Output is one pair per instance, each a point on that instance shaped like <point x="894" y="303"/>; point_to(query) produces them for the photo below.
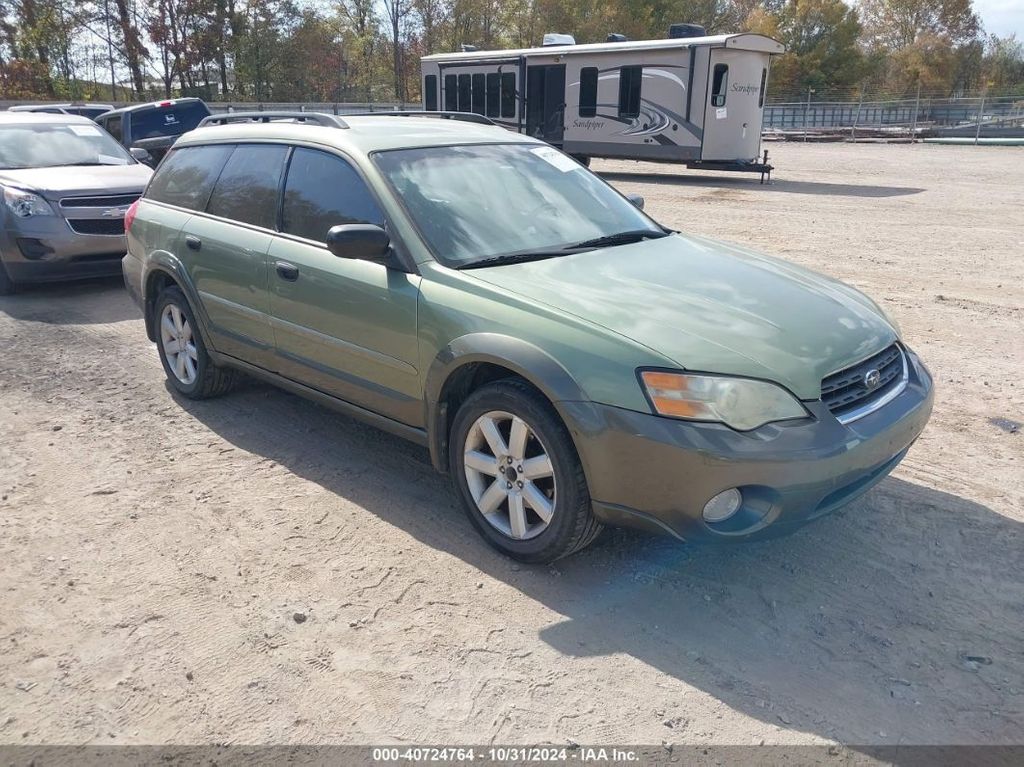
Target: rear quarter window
<point x="186" y="176"/>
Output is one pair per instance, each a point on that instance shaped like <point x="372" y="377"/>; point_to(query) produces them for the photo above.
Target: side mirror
<point x="636" y="200"/>
<point x="141" y="155"/>
<point x="367" y="242"/>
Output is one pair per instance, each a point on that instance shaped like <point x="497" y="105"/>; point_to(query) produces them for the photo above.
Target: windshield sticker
<point x="84" y="130"/>
<point x="551" y="155"/>
<point x="170" y="118"/>
<point x="107" y="159"/>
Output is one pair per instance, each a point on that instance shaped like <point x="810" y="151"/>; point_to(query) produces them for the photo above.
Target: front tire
<point x="518" y="476"/>
<point x="182" y="352"/>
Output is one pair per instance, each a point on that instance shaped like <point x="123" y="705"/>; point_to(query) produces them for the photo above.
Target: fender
<point x="168" y="263"/>
<point x="521" y="357"/>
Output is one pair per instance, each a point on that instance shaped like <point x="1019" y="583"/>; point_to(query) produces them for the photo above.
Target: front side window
<point x="323" y="191"/>
<point x="588" y="91"/>
<point x="186" y="176"/>
<point x="430" y="92"/>
<point x="247" y="188"/>
<point x="477" y="201"/>
<point x="47" y="145"/>
<point x="451" y="94"/>
<point x="629" y="91"/>
<point x="764" y="82"/>
<point x="719" y="83"/>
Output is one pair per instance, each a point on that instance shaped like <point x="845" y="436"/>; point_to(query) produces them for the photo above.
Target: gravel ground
<point x="256" y="569"/>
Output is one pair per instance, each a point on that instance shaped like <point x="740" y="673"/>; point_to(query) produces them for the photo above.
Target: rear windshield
<point x="167" y="121"/>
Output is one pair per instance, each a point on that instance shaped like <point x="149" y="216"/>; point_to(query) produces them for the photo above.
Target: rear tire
<point x="182" y="352"/>
<point x="518" y="476"/>
<point x="7" y="286"/>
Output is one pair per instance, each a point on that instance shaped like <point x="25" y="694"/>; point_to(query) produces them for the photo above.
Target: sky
<point x="1001" y="17"/>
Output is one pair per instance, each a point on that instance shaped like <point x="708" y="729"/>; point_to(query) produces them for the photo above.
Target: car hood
<point x="711" y="307"/>
<point x="55" y="183"/>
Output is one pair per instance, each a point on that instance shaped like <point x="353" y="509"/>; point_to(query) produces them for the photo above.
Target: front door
<point x="735" y="105"/>
<point x="545" y="102"/>
<point x="343" y="326"/>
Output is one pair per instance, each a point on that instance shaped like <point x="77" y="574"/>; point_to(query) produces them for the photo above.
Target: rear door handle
<point x="287" y="271"/>
<point x="193" y="242"/>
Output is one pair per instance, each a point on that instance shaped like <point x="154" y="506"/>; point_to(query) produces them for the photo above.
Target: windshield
<point x="482" y="201"/>
<point x="47" y="145"/>
<point x="167" y="121"/>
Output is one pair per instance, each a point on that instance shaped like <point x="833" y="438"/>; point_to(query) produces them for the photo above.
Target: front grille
<point x="113" y="201"/>
<point x="847" y="390"/>
<point x="97" y="225"/>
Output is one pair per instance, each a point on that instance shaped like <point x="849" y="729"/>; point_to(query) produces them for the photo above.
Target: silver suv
<point x="66" y="185"/>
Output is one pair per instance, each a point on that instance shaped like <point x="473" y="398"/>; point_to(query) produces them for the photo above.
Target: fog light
<point x="723" y="505"/>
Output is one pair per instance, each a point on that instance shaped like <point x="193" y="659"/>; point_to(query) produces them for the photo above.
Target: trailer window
<point x="451" y="94"/>
<point x="508" y="94"/>
<point x="764" y="82"/>
<point x="430" y="92"/>
<point x="719" y="82"/>
<point x="465" y="94"/>
<point x="493" y="94"/>
<point x="588" y="91"/>
<point x="478" y="93"/>
<point x="629" y="91"/>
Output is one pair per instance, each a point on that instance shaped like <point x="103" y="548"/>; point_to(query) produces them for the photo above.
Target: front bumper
<point x="45" y="249"/>
<point x="657" y="473"/>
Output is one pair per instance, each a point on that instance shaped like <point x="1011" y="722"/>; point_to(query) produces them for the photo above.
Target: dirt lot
<point x="154" y="553"/>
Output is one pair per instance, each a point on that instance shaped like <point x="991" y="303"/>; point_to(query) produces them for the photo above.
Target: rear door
<point x="225" y="250"/>
<point x="735" y="105"/>
<point x="545" y="102"/>
<point x="343" y="326"/>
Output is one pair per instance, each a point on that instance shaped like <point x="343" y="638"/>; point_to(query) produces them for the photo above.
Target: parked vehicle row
<point x="567" y="360"/>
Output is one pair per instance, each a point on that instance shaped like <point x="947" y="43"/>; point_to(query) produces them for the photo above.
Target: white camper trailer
<point x="692" y="100"/>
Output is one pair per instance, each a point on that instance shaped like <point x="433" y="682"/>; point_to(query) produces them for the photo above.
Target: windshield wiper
<point x="620" y="238"/>
<point x="521" y="257"/>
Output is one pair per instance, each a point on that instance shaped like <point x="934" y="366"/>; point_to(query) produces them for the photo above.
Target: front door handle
<point x="287" y="271"/>
<point x="193" y="242"/>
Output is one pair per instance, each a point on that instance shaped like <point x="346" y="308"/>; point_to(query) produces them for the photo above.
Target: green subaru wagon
<point x="567" y="360"/>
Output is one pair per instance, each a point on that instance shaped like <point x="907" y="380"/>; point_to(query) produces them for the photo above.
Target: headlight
<point x="741" y="403"/>
<point x="26" y="204"/>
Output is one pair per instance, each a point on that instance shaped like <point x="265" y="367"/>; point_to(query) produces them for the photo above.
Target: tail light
<point x="129" y="215"/>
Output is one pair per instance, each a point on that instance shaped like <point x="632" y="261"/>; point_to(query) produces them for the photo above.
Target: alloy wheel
<point x="178" y="344"/>
<point x="510" y="475"/>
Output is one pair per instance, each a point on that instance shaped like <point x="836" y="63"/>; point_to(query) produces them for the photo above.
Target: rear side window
<point x="247" y="188"/>
<point x="113" y="126"/>
<point x="451" y="94"/>
<point x="186" y="176"/>
<point x="508" y="94"/>
<point x="719" y="83"/>
<point x="323" y="191"/>
<point x="629" y="91"/>
<point x="430" y="92"/>
<point x="588" y="91"/>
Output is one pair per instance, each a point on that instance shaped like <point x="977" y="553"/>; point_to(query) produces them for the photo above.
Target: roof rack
<point x="469" y="117"/>
<point x="316" y="118"/>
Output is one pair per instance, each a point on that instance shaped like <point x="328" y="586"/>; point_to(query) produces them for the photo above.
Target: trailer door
<point x="735" y="105"/>
<point x="545" y="102"/>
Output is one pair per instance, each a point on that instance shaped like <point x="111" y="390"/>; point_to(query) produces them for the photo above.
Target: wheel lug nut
<point x="509" y="459"/>
<point x="520" y="485"/>
<point x="519" y="469"/>
<point x="508" y="485"/>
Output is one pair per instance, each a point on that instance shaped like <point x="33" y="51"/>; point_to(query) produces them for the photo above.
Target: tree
<point x="821" y="39"/>
<point x="897" y="24"/>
